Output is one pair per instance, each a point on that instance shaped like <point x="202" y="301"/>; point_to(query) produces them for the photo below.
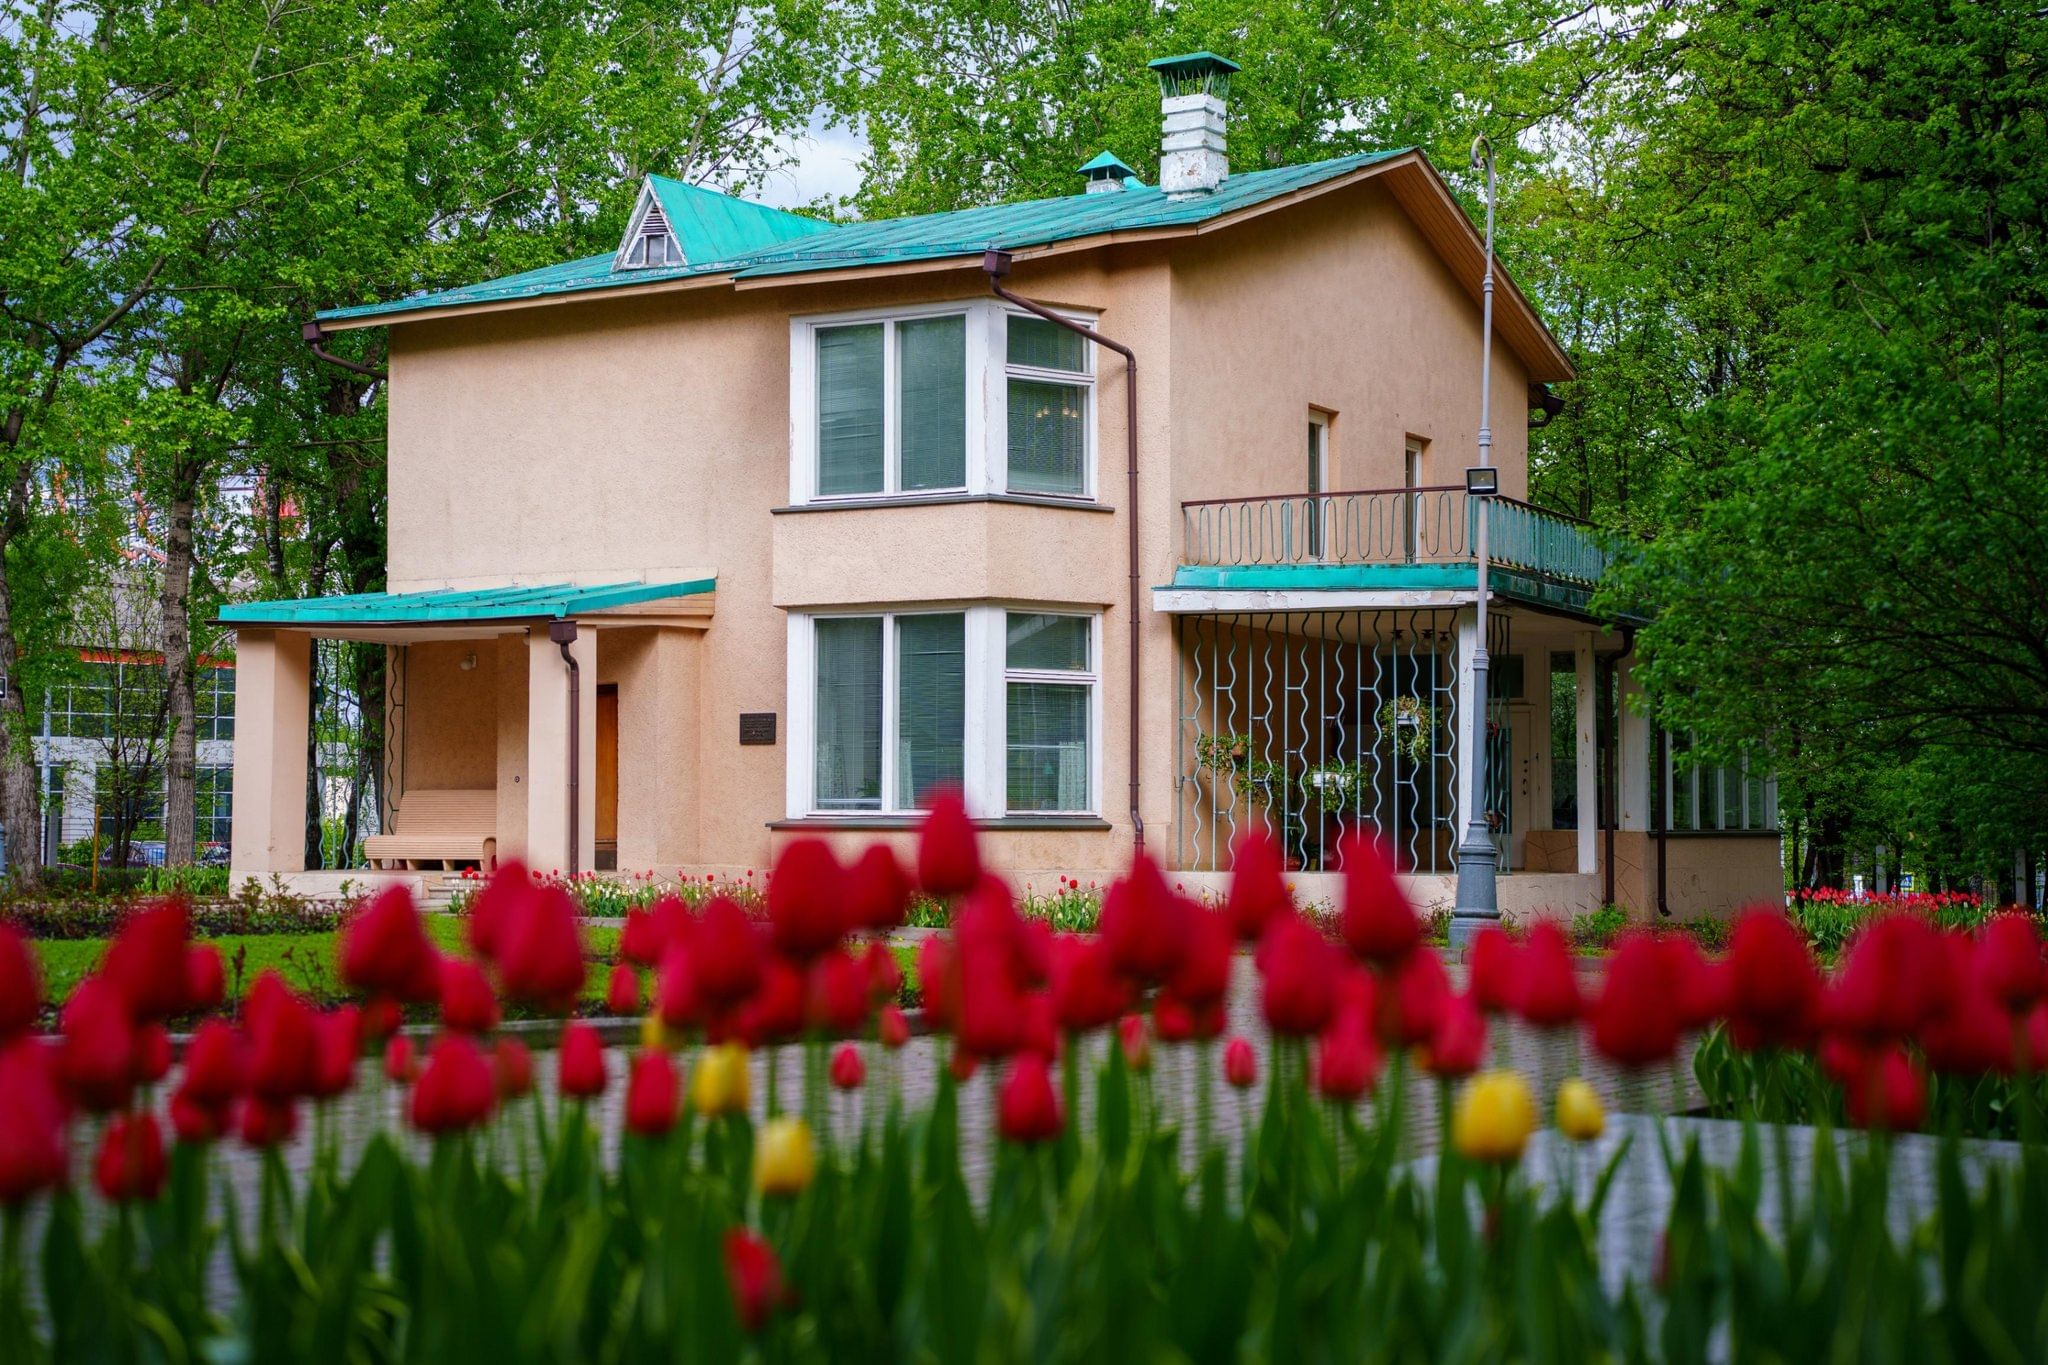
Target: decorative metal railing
<point x="1431" y="525"/>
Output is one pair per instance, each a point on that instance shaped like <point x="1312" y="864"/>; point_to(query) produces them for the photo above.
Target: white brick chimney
<point x="1193" y="157"/>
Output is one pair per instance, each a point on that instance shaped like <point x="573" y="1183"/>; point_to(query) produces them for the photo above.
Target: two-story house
<point x="1138" y="513"/>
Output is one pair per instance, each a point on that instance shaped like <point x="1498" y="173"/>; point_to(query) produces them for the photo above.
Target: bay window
<point x="887" y="706"/>
<point x="965" y="398"/>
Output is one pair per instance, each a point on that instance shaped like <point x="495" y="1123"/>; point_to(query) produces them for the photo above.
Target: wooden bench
<point x="444" y="827"/>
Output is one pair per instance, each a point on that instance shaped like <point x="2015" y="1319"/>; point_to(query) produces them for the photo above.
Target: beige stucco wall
<point x="449" y="739"/>
<point x="649" y="437"/>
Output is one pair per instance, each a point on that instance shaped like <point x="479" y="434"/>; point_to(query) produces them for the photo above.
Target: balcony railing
<point x="1432" y="525"/>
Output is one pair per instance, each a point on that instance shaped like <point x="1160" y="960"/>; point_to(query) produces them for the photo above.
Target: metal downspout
<point x="313" y="334"/>
<point x="563" y="633"/>
<point x="996" y="264"/>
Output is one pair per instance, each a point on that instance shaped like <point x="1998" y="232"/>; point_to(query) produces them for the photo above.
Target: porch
<point x="1325" y="645"/>
<point x="529" y="721"/>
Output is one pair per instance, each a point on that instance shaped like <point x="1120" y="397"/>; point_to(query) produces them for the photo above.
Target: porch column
<point x="1632" y="757"/>
<point x="1536" y="687"/>
<point x="1588" y="753"/>
<point x="1468" y="641"/>
<point x="273" y="676"/>
<point x="547" y="752"/>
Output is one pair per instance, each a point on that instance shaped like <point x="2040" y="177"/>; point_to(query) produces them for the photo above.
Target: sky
<point x="824" y="164"/>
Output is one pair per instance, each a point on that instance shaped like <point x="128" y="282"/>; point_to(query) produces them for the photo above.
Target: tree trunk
<point x="181" y="762"/>
<point x="20" y="793"/>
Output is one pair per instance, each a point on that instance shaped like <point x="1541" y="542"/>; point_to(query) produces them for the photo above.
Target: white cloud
<point x="825" y="164"/>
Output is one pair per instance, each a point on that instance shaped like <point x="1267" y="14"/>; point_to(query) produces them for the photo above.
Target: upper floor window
<point x="951" y="398"/>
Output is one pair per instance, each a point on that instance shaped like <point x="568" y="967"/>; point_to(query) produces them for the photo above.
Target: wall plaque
<point x="757" y="727"/>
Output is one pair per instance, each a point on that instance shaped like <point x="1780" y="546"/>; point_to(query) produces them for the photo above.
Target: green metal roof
<point x="891" y="241"/>
<point x="717" y="227"/>
<point x="553" y="600"/>
<point x="1106" y="161"/>
<point x="1193" y="59"/>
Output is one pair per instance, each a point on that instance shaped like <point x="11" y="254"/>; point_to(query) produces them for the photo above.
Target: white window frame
<point x="984" y="766"/>
<point x="988" y="403"/>
<point x="1084" y="378"/>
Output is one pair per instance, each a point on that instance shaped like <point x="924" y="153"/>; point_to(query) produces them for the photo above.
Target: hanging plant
<point x="1252" y="779"/>
<point x="1413" y="723"/>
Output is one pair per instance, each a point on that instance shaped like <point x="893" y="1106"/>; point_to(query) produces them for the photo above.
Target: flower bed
<point x="1288" y="1224"/>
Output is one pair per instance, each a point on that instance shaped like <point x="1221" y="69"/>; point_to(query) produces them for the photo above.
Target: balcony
<point x="1391" y="537"/>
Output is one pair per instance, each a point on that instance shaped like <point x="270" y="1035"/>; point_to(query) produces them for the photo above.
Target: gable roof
<point x="732" y="241"/>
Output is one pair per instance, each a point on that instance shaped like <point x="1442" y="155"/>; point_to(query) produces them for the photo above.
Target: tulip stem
<point x="1205" y="1121"/>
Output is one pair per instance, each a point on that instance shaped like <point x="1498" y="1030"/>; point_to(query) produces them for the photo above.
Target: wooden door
<point x="608" y="777"/>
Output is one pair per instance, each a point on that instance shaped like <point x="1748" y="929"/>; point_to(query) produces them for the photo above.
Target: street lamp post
<point x="1478" y="900"/>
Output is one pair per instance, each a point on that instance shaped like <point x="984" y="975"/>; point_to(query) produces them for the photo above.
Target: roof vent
<point x="1193" y="90"/>
<point x="1107" y="175"/>
<point x="650" y="241"/>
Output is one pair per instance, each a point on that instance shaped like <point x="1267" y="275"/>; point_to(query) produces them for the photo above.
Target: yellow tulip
<point x="784" y="1161"/>
<point x="1494" y="1117"/>
<point x="1579" y="1115"/>
<point x="654" y="1035"/>
<point x="721" y="1084"/>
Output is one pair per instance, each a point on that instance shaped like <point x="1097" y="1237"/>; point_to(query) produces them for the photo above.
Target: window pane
<point x="931" y="704"/>
<point x="1048" y="746"/>
<point x="931" y="369"/>
<point x="1046" y="346"/>
<point x="850" y="409"/>
<point x="849" y="737"/>
<point x="1048" y="437"/>
<point x="1040" y="641"/>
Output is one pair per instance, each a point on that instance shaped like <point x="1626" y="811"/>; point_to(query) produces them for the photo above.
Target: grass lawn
<point x="307" y="961"/>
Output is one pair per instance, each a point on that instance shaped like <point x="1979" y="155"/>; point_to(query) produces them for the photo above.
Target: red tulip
<point x="337" y="1045"/>
<point x="1038" y="1028"/>
<point x="1379" y="924"/>
<point x="1413" y="1003"/>
<point x="884" y="972"/>
<point x="1891" y="1094"/>
<point x="1027" y="1109"/>
<point x="1635" y="1021"/>
<point x="152" y="1054"/>
<point x="468" y="1004"/>
<point x="540" y="954"/>
<point x="1203" y="976"/>
<point x="581" y="1061"/>
<point x="280" y="1029"/>
<point x="776" y="1013"/>
<point x="1087" y="993"/>
<point x="725" y="955"/>
<point x="877" y="893"/>
<point x="622" y="992"/>
<point x="97" y="1060"/>
<point x="21" y="986"/>
<point x="2009" y="961"/>
<point x="652" y="1094"/>
<point x="131" y="1166"/>
<point x="385" y="949"/>
<point x="1773" y="985"/>
<point x="1240" y="1064"/>
<point x="510" y="886"/>
<point x="1301" y="973"/>
<point x="456" y="1088"/>
<point x="1143" y="923"/>
<point x="401" y="1060"/>
<point x="1346" y="1064"/>
<point x="848" y="1070"/>
<point x="268" y="1123"/>
<point x="146" y="961"/>
<point x="33" y="1154"/>
<point x="805" y="900"/>
<point x="1702" y="986"/>
<point x="1496" y="967"/>
<point x="1258" y="886"/>
<point x="214" y="1065"/>
<point x="1135" y="1041"/>
<point x="938" y="978"/>
<point x="836" y="994"/>
<point x="194" y="1122"/>
<point x="755" y="1277"/>
<point x="1549" y="992"/>
<point x="1895" y="977"/>
<point x="1172" y="1020"/>
<point x="1458" y="1045"/>
<point x="381" y="1018"/>
<point x="948" y="856"/>
<point x="962" y="1064"/>
<point x="205" y="979"/>
<point x="512" y="1068"/>
<point x="892" y="1029"/>
<point x="642" y="941"/>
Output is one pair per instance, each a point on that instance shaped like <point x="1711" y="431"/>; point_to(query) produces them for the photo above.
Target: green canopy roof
<point x="883" y="242"/>
<point x="551" y="601"/>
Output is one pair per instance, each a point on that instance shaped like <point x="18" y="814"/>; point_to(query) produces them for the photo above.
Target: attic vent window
<point x="653" y="245"/>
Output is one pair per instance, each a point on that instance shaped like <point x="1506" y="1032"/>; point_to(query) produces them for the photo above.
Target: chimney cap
<point x="1107" y="171"/>
<point x="1194" y="73"/>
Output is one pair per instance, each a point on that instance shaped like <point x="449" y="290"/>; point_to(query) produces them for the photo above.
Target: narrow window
<point x="1411" y="477"/>
<point x="1049" y="680"/>
<point x="1050" y="387"/>
<point x="849" y="714"/>
<point x="931" y="705"/>
<point x="1317" y="506"/>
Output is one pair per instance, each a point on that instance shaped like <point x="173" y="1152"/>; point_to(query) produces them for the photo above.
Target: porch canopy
<point x="490" y="711"/>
